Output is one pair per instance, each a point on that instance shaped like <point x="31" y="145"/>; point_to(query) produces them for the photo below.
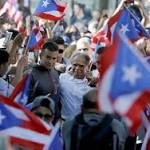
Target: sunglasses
<point x="60" y="51"/>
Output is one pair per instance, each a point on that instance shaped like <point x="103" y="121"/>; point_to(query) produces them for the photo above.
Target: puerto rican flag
<point x="23" y="127"/>
<point x="20" y="93"/>
<point x="99" y="39"/>
<point x="125" y="82"/>
<point x="4" y="8"/>
<point x="55" y="141"/>
<point x="51" y="9"/>
<point x="123" y="21"/>
<point x="12" y="11"/>
<point x="37" y="37"/>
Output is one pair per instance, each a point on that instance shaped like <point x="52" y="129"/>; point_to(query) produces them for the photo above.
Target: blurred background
<point x="90" y="5"/>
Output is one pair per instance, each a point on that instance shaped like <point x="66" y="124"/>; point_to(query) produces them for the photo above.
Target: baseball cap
<point x="44" y="101"/>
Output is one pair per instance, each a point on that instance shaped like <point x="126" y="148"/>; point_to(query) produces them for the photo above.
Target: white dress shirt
<point x="71" y="93"/>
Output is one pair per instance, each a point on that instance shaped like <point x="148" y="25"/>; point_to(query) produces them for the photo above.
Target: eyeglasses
<point x="60" y="51"/>
<point x="83" y="49"/>
<point x="45" y="116"/>
<point x="81" y="66"/>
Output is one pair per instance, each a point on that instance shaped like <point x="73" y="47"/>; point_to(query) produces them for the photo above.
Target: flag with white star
<point x="6" y="117"/>
<point x="125" y="22"/>
<point x="50" y="9"/>
<point x="130" y="26"/>
<point x="131" y="73"/>
<point x="22" y="126"/>
<point x="125" y="84"/>
<point x="21" y="92"/>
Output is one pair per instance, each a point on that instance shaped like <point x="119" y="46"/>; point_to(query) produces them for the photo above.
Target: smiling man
<point x="73" y="85"/>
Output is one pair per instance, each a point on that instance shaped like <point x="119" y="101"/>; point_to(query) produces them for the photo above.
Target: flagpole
<point x="25" y="51"/>
<point x="55" y="26"/>
<point x="132" y="15"/>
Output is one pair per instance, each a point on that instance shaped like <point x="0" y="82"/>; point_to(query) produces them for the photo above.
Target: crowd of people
<point x="65" y="74"/>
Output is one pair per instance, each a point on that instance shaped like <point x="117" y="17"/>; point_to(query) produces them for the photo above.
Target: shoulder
<point x="120" y="129"/>
<point x="38" y="69"/>
<point x="65" y="76"/>
<point x="55" y="73"/>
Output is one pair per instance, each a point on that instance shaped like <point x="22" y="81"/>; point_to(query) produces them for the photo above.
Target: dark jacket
<point x="93" y="119"/>
<point x="44" y="82"/>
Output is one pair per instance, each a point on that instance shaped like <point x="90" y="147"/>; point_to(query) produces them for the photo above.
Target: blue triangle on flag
<point x="46" y="6"/>
<point x="131" y="72"/>
<point x="7" y="119"/>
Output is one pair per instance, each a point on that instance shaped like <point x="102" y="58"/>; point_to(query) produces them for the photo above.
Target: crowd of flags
<point x="53" y="10"/>
<point x="37" y="37"/>
<point x="124" y="86"/>
<point x="10" y="7"/>
<point x="22" y="127"/>
<point x="123" y="21"/>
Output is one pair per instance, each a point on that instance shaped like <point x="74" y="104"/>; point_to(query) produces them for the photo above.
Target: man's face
<point x="80" y="68"/>
<point x="60" y="52"/>
<point x="44" y="113"/>
<point x="49" y="58"/>
<point x="84" y="48"/>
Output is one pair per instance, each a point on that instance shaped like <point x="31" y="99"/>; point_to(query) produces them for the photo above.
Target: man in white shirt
<point x="73" y="85"/>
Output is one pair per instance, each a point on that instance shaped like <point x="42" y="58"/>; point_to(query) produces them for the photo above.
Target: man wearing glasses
<point x="73" y="85"/>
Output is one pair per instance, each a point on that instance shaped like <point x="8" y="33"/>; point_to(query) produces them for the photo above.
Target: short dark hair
<point x="89" y="99"/>
<point x="50" y="45"/>
<point x="4" y="56"/>
<point x="59" y="40"/>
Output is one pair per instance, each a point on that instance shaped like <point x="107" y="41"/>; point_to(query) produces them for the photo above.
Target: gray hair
<point x="77" y="55"/>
